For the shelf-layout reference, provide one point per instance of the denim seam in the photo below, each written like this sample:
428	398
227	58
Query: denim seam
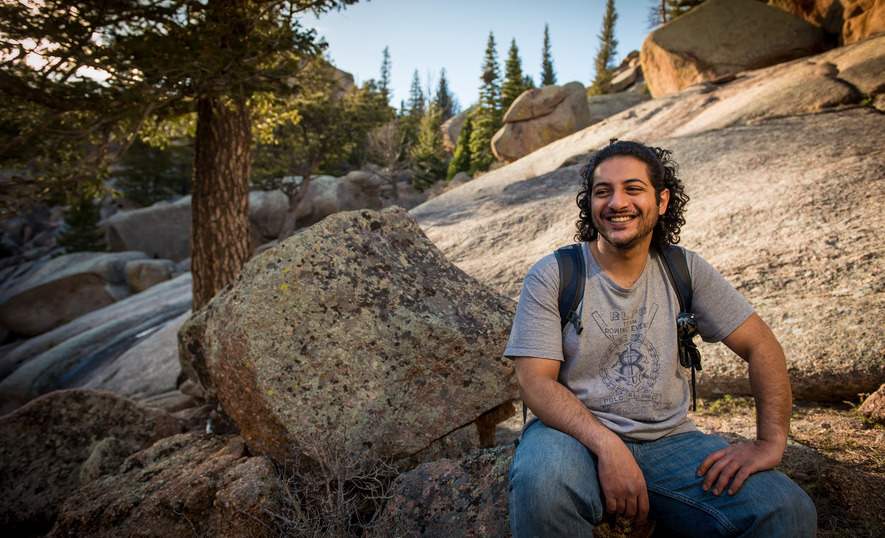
720	517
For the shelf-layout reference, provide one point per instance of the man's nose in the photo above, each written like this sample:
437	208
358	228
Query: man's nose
618	200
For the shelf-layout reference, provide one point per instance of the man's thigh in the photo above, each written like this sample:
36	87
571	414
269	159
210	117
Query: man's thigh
768	504
554	489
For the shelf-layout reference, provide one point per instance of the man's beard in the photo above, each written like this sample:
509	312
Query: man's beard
647	225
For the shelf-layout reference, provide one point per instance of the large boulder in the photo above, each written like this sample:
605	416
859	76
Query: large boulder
45	445
451	129
163	230
73	361
786	208
362	321
863	18
142	274
850	20
720	38
189	484
63	289
607	105
359	189
540	116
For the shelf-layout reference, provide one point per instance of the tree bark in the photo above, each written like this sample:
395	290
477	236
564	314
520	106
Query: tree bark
220	203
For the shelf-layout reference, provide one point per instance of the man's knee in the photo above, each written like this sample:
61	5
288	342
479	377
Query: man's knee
782	508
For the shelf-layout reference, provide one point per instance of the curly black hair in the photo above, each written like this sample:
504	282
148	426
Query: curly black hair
662	170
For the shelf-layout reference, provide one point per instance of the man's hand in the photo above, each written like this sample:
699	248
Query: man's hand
623	485
738	462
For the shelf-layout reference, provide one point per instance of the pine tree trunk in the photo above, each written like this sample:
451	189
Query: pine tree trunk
220	203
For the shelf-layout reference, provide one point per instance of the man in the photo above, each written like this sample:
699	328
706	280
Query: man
611	400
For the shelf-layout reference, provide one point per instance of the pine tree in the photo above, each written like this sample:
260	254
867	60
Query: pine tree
677	8
444	100
385	74
81	232
416	97
488	113
528	83
514	81
461	157
548	76
427	153
606	52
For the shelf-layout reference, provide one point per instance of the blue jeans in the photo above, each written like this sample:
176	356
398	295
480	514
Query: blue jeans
554	491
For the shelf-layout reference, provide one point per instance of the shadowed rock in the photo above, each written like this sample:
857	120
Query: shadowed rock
355	329
185	485
44	445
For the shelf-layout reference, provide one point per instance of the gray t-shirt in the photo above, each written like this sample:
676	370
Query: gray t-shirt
624	365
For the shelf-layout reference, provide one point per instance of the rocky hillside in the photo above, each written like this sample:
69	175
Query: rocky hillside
785	169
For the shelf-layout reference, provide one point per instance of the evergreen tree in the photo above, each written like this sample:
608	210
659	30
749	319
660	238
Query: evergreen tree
385	74
416	97
81	232
161	60
444	100
514	81
528	83
663	11
428	154
548	76
488	112
606	52
461	157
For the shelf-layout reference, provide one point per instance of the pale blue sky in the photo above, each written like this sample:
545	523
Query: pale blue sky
428	35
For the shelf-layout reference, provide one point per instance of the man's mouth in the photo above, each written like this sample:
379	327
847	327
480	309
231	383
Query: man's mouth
620	218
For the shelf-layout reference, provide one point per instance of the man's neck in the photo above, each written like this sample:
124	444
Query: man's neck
624	266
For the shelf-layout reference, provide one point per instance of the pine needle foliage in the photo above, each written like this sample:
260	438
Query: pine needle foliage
514	80
81	232
384	83
548	75
488	113
606	52
461	157
444	100
428	154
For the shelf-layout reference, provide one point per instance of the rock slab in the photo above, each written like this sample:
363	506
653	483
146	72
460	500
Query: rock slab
362	321
45	445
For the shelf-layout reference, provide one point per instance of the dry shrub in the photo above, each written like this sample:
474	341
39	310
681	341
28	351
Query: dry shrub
330	492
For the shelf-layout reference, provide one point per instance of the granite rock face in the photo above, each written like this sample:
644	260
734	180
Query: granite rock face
45	445
720	38
185	485
362	321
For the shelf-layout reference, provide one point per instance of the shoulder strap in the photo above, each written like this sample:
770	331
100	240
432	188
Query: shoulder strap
572	273
677	271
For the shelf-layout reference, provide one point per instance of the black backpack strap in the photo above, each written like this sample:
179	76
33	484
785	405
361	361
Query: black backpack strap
686	323
572	274
677	271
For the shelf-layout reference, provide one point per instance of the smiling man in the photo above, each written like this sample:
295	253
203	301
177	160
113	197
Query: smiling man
612	432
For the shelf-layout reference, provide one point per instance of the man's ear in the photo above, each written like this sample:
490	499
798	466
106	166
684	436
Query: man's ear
663	201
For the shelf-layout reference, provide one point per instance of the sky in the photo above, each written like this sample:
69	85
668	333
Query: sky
429	35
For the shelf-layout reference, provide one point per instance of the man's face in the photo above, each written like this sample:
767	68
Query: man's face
623	203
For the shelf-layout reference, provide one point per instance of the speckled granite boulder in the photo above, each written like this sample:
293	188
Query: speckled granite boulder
45	445
357	330
186	485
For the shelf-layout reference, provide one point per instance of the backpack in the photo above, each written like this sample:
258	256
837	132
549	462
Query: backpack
572	275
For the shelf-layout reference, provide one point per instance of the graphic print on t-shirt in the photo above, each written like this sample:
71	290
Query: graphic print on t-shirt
633	363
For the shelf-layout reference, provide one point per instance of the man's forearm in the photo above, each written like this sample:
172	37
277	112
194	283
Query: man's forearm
771	390
559	408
